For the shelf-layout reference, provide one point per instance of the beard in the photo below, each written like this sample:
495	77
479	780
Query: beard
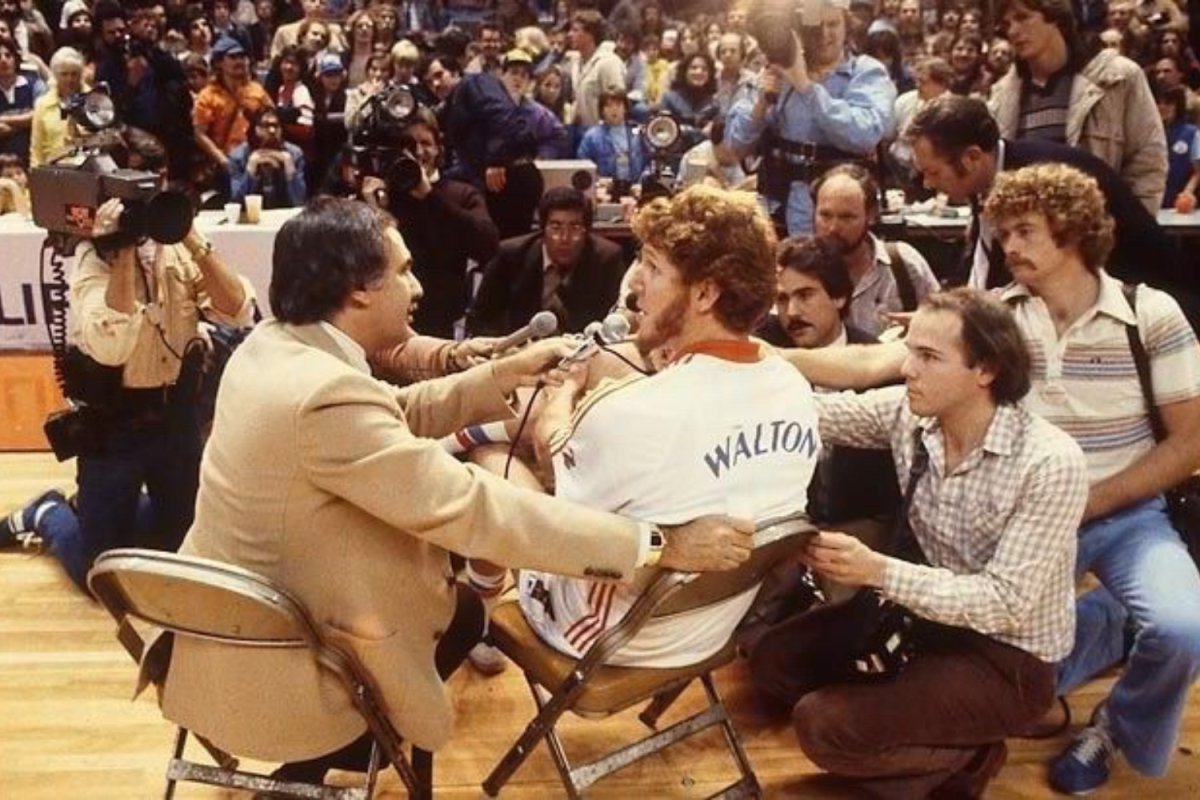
667	325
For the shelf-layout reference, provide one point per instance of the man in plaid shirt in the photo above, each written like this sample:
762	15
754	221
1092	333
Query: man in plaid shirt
995	514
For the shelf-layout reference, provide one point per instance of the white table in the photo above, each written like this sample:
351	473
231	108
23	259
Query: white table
938	226
247	248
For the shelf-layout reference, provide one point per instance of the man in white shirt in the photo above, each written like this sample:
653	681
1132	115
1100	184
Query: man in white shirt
721	428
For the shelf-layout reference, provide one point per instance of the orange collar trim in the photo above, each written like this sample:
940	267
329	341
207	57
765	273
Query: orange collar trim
740	352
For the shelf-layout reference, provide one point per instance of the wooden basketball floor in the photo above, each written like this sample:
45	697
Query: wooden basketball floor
69	730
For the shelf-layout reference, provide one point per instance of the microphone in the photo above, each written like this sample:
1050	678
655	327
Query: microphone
542	324
613	329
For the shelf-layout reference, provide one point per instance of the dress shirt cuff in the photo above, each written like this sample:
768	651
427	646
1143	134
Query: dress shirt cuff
900	580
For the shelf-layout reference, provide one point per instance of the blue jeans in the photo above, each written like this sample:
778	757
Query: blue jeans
1148	578
112	511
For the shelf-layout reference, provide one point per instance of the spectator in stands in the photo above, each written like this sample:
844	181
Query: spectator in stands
268	165
329	106
883	45
223	23
563	268
550	91
959	151
734	81
514	14
888	276
387	23
971	23
262	32
379	74
549	134
14	186
18	92
445	224
50	132
911	28
658	70
1183	149
827	106
289	35
999	58
199	34
287	86
692	98
222	111
78	34
361	30
593	65
1171	44
196	73
615	145
28	27
110	26
491	40
405	59
1168	75
1055	233
966	59
1064	92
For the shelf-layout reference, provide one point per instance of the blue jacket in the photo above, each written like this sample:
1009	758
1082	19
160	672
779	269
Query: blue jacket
850	109
485	128
242	183
598	146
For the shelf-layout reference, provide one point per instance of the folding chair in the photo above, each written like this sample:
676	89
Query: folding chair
205	599
589	688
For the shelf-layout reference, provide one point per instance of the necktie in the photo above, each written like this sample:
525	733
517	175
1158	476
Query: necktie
552	279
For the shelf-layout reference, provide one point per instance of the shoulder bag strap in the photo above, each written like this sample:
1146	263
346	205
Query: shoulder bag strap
908	294
1142	362
901	541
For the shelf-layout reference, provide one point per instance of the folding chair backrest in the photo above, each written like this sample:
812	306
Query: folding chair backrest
780	537
198	597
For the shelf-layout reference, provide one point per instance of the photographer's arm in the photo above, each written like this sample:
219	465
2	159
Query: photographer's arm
226	291
210	149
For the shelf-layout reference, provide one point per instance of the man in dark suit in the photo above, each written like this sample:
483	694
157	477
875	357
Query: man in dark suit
957	147
814	295
564	268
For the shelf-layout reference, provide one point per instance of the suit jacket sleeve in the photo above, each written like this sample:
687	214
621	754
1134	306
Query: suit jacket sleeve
434	408
487	315
354	443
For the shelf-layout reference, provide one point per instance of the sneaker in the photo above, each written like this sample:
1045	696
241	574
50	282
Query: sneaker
487	659
1085	765
17	527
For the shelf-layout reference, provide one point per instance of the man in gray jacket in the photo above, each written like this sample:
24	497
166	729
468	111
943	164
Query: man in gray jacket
1061	90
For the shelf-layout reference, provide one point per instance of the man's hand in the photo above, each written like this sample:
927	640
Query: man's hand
108	217
845	559
495	178
374	192
526	366
708	544
471	352
422	189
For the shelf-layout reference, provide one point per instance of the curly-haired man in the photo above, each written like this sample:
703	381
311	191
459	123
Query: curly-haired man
1056	235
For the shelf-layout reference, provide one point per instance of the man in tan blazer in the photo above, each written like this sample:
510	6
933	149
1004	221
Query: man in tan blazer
321	478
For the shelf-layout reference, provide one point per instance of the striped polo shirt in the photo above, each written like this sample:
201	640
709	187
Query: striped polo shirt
1085	381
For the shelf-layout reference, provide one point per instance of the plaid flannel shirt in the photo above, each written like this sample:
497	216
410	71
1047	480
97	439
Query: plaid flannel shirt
999	532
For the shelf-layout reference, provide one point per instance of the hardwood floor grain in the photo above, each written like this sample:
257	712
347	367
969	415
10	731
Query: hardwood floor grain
68	728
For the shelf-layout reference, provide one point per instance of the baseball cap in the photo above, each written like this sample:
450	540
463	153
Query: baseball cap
329	63
516	57
228	46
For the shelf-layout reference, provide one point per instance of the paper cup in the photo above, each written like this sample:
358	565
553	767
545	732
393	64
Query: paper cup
233	211
253	208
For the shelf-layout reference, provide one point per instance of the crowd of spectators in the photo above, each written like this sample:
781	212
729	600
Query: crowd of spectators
571	79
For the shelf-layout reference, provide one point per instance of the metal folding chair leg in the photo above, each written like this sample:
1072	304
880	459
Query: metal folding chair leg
180	741
749	781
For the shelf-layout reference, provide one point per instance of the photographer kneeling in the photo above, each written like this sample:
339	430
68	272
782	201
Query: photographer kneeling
135	311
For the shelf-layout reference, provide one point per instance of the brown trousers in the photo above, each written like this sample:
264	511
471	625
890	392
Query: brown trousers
937	729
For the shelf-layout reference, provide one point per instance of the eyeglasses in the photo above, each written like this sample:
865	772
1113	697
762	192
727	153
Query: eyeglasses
557	230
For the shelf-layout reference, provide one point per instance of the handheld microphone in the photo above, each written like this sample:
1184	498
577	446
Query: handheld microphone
542	324
613	329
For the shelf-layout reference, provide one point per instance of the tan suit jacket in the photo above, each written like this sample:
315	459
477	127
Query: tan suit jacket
315	477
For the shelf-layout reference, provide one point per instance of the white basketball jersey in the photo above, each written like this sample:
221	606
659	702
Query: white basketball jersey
707	435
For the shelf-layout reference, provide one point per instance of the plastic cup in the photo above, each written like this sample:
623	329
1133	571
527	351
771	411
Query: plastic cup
254	204
233	212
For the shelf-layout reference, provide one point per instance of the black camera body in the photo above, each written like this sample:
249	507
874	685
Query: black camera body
381	146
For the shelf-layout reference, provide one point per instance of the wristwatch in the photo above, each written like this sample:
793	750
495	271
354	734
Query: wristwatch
657	542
